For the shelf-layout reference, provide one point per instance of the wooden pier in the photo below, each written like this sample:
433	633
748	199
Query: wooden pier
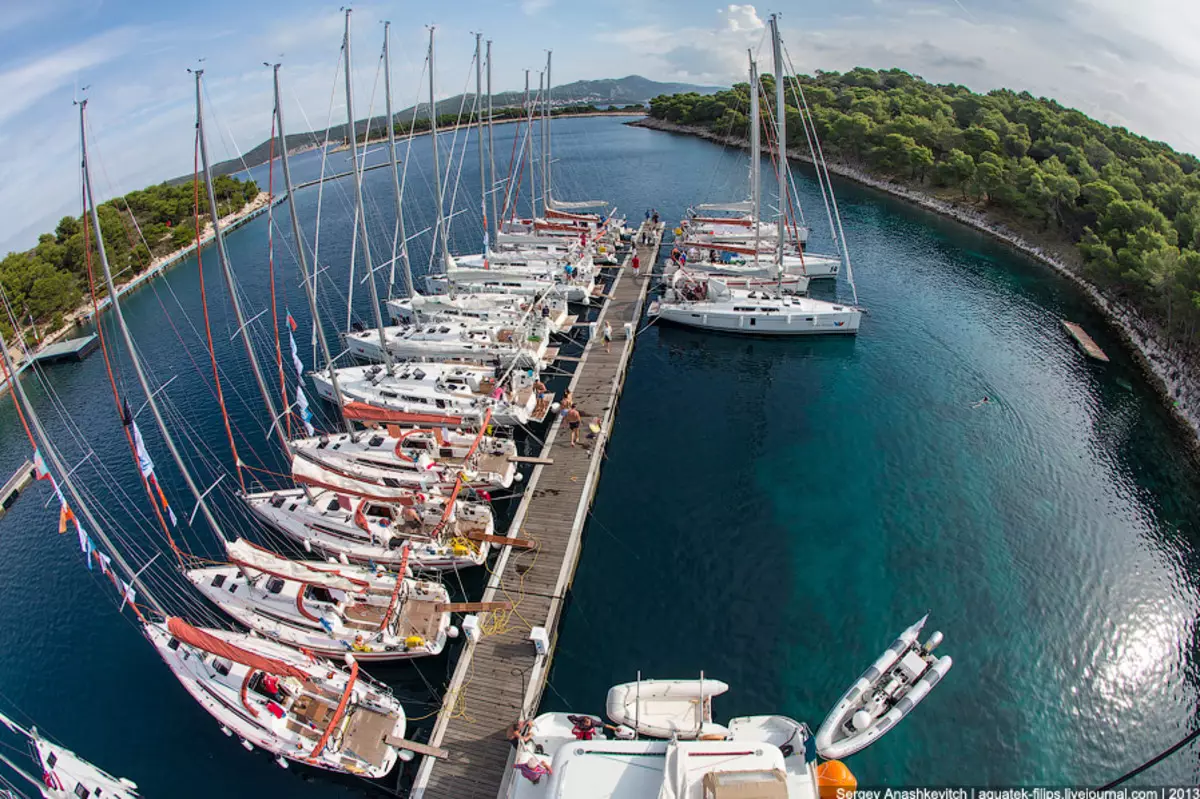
1085	342
500	677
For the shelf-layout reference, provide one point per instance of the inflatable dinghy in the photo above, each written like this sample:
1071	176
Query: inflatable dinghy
884	694
667	708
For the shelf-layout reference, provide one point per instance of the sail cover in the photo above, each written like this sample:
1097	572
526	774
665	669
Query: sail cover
560	205
734	207
193	636
243	553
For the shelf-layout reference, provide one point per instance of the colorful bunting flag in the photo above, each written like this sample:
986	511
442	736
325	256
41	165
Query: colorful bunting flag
306	414
39	466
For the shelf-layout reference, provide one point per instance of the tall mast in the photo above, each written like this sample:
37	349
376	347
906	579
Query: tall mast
780	133
546	137
302	256
755	151
401	240
483	184
529	145
532	113
358	199
51	453
443	236
134	358
491	145
231	286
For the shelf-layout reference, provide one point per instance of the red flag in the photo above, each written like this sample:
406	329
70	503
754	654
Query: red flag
291	322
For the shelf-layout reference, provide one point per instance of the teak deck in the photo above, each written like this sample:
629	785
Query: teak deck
500	678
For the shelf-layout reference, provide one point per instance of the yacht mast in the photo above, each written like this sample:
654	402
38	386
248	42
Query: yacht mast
755	152
401	239
495	226
532	113
358	199
528	146
780	135
443	235
134	358
231	286
302	256
479	135
546	111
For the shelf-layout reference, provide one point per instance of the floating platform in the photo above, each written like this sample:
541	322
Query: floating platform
1085	342
16	484
72	349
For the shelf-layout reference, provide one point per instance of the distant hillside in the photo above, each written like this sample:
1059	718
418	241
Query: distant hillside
630	90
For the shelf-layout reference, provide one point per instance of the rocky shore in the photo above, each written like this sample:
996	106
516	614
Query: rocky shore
1174	374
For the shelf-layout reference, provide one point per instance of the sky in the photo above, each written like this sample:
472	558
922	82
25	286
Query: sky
1128	63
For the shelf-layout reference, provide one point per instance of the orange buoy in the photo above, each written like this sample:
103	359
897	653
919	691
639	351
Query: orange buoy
834	780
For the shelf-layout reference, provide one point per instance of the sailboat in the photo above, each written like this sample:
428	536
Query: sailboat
421	458
522	344
425	308
64	774
707	300
442	533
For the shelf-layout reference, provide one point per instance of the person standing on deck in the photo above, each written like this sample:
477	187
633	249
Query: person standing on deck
539	390
573	420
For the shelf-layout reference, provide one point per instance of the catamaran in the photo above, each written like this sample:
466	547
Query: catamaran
444	534
441	394
329	609
64	774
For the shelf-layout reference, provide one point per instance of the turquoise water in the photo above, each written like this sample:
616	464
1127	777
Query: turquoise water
771	512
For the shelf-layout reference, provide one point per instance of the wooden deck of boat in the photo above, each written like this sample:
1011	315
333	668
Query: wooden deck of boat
1085	342
500	678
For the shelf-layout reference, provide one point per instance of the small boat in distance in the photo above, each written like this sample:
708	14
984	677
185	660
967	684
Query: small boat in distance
885	693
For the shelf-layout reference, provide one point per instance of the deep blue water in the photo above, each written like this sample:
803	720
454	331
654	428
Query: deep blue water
771	512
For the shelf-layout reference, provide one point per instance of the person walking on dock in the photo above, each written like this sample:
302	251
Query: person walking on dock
573	420
636	263
607	336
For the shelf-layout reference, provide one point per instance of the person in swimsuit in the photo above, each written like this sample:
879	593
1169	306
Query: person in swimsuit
573	420
539	390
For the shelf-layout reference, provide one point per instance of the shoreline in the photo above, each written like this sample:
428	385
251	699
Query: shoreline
1171	377
83	314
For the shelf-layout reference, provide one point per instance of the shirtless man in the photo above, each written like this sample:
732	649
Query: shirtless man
573	420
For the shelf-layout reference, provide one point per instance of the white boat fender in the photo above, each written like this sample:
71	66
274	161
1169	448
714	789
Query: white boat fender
345	561
248	746
349	659
307	545
281	761
451	631
518	478
406	755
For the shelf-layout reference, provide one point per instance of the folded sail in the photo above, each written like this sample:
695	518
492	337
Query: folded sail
742	207
561	205
247	555
193	636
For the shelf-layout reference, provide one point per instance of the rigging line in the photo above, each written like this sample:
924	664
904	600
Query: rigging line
204	305
271	267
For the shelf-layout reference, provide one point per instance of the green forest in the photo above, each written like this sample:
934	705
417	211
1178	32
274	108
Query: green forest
1130	205
47	282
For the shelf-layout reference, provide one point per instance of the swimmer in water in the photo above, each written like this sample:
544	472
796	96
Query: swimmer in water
985	401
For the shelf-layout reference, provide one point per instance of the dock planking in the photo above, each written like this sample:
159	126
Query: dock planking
500	678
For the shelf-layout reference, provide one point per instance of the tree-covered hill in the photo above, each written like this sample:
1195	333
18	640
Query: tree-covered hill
1130	205
45	283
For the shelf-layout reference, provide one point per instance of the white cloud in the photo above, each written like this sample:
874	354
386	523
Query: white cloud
23	86
531	7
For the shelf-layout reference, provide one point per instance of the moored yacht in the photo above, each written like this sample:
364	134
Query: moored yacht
484	307
326	608
64	774
299	708
435	394
442	533
524	343
712	305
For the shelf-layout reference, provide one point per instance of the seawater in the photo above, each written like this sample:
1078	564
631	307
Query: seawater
770	512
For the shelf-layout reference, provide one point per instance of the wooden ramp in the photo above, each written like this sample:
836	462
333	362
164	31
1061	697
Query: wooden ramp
1085	342
500	678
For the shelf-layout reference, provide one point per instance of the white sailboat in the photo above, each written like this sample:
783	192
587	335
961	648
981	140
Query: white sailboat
509	308
441	394
420	458
64	774
299	708
442	534
329	609
711	305
521	345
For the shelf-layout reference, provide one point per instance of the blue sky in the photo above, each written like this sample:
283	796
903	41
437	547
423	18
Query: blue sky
1134	64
